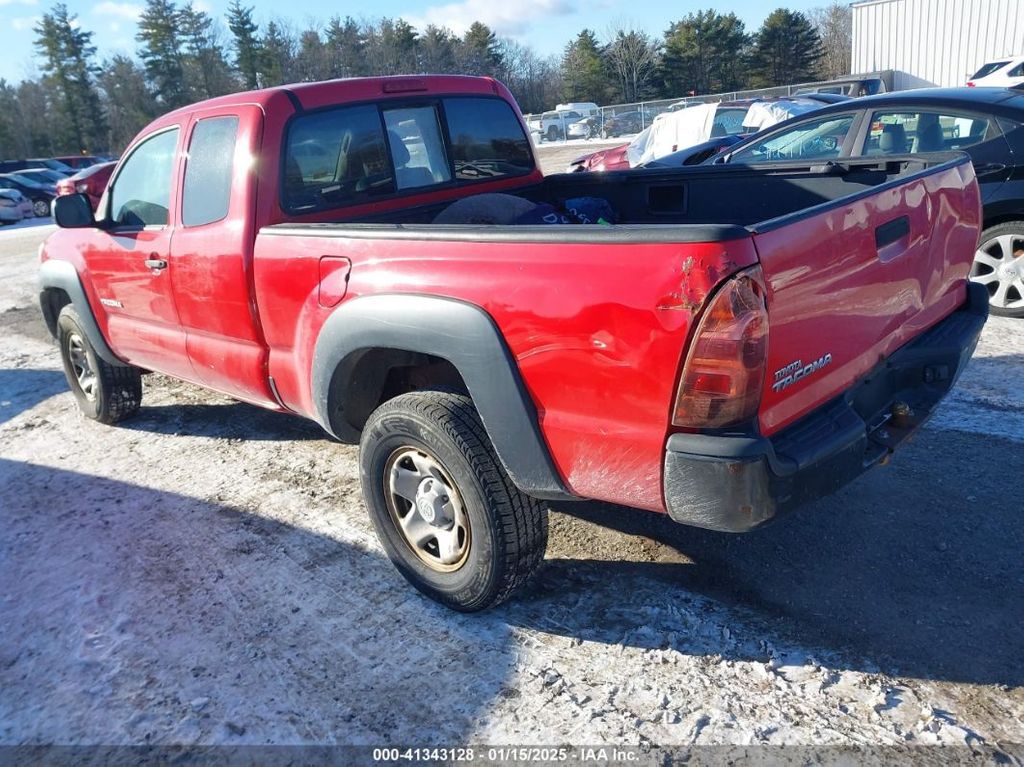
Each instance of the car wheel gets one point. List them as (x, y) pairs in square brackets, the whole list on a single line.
[(447, 514), (605, 133), (552, 134), (41, 208), (105, 393), (999, 266)]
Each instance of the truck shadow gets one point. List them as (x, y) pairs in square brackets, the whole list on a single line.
[(23, 388), (914, 568), (136, 615), (236, 420)]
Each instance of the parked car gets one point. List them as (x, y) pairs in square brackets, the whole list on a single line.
[(987, 123), (553, 125), (588, 127), (50, 163), (43, 176), (79, 161), (727, 121), (40, 196), (90, 181), (622, 124), (10, 208), (722, 373), (1001, 73), (24, 203)]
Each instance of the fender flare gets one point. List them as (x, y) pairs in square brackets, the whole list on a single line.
[(63, 276), (464, 335)]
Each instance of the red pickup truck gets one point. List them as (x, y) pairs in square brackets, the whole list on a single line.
[(739, 341)]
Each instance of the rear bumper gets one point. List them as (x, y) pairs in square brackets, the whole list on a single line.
[(737, 483)]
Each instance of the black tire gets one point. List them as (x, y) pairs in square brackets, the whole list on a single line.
[(605, 133), (41, 208), (993, 243), (552, 134), (112, 392), (507, 530)]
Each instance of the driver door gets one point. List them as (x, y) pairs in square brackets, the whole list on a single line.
[(129, 257)]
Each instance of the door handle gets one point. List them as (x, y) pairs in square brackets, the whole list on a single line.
[(992, 167), (156, 263)]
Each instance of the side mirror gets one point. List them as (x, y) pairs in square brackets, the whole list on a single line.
[(73, 211)]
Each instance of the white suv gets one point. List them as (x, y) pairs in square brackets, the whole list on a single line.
[(1004, 72)]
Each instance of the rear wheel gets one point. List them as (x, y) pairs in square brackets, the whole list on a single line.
[(999, 266), (447, 514), (106, 393), (552, 133), (41, 208)]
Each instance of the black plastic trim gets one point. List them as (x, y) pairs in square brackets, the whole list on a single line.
[(62, 275), (464, 335), (556, 233), (737, 483)]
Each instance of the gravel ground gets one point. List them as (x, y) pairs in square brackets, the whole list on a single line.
[(206, 573)]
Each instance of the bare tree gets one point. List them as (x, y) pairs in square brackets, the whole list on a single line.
[(633, 56), (834, 24)]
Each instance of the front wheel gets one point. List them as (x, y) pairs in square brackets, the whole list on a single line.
[(105, 393), (999, 266), (41, 208), (447, 514)]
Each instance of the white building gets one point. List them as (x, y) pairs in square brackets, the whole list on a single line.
[(934, 42)]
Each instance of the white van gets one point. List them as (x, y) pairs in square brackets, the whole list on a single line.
[(585, 108)]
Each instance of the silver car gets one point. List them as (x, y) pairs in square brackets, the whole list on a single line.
[(11, 209)]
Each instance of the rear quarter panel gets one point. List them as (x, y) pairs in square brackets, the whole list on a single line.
[(597, 331)]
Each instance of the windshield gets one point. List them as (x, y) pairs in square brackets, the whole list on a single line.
[(988, 69), (816, 139)]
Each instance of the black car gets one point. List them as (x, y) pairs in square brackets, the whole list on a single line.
[(41, 196), (986, 123)]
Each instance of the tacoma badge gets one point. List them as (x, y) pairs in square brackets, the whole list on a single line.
[(797, 370)]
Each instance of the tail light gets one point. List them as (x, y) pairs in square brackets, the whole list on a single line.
[(724, 371), (970, 83)]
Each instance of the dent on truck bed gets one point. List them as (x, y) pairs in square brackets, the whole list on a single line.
[(455, 331)]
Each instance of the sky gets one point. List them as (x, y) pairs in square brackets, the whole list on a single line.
[(546, 25)]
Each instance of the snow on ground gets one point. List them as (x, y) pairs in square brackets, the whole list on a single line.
[(206, 573)]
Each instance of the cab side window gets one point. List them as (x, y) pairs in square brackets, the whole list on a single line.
[(916, 132), (818, 139), (141, 193), (208, 176)]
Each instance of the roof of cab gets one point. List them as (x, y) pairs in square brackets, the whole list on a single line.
[(354, 89)]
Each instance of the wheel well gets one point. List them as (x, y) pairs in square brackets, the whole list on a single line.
[(370, 377), (1002, 218), (51, 302)]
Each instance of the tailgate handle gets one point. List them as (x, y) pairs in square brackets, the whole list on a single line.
[(892, 231)]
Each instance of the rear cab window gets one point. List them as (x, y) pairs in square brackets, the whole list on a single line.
[(355, 154)]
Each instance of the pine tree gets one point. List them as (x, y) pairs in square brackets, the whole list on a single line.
[(703, 53), (585, 75), (247, 43), (129, 104), (161, 43), (479, 53), (312, 62), (437, 50), (69, 72), (786, 49), (277, 56), (206, 70), (346, 46)]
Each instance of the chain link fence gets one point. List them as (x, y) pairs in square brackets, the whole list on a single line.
[(619, 120)]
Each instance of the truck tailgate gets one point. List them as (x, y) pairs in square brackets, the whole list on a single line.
[(851, 281)]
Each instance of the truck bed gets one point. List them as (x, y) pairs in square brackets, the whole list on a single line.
[(857, 259)]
